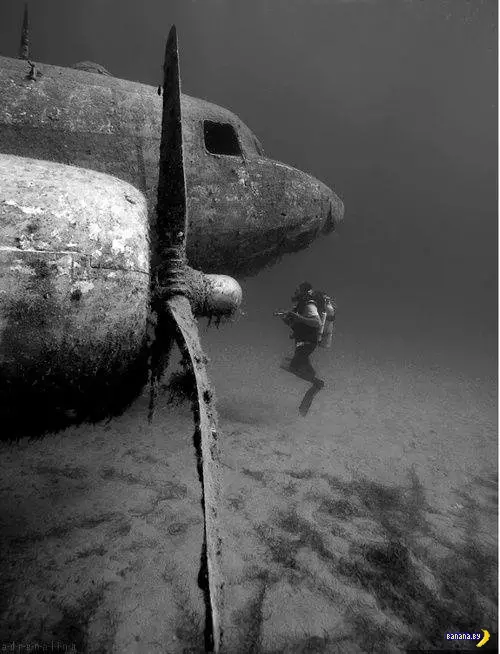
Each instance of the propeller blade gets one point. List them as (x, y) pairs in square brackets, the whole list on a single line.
[(171, 225), (172, 319), (168, 232), (207, 454)]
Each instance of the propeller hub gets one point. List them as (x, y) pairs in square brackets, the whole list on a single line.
[(223, 295), (212, 296)]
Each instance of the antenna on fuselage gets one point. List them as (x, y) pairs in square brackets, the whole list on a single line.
[(24, 47)]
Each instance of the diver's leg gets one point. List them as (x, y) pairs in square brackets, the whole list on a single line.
[(299, 362), (298, 357), (309, 368), (301, 365)]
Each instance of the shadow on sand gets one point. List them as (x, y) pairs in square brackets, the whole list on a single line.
[(428, 572)]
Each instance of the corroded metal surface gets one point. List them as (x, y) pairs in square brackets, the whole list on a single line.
[(244, 211), (73, 290), (208, 459), (50, 207), (169, 225), (171, 228)]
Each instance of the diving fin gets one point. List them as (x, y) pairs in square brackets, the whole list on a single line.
[(308, 398)]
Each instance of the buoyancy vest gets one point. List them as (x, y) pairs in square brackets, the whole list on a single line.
[(302, 332)]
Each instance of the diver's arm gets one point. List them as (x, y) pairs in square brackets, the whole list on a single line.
[(311, 317), (310, 322)]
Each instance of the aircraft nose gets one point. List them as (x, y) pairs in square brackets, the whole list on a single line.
[(310, 209), (316, 209)]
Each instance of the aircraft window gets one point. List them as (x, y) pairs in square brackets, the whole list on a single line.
[(221, 138)]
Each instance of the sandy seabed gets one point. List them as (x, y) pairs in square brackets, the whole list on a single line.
[(369, 526)]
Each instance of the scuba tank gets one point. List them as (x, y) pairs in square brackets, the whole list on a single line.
[(322, 315), (328, 322)]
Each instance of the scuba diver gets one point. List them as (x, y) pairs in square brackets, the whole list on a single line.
[(306, 325), (311, 321)]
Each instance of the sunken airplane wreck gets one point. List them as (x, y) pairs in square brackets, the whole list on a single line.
[(95, 241), (79, 168)]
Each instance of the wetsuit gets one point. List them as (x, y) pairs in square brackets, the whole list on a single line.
[(306, 334)]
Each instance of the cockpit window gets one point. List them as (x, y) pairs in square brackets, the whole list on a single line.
[(221, 138)]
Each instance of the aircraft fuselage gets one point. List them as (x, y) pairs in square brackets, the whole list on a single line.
[(245, 210)]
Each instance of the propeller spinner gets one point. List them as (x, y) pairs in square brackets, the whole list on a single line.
[(178, 293)]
